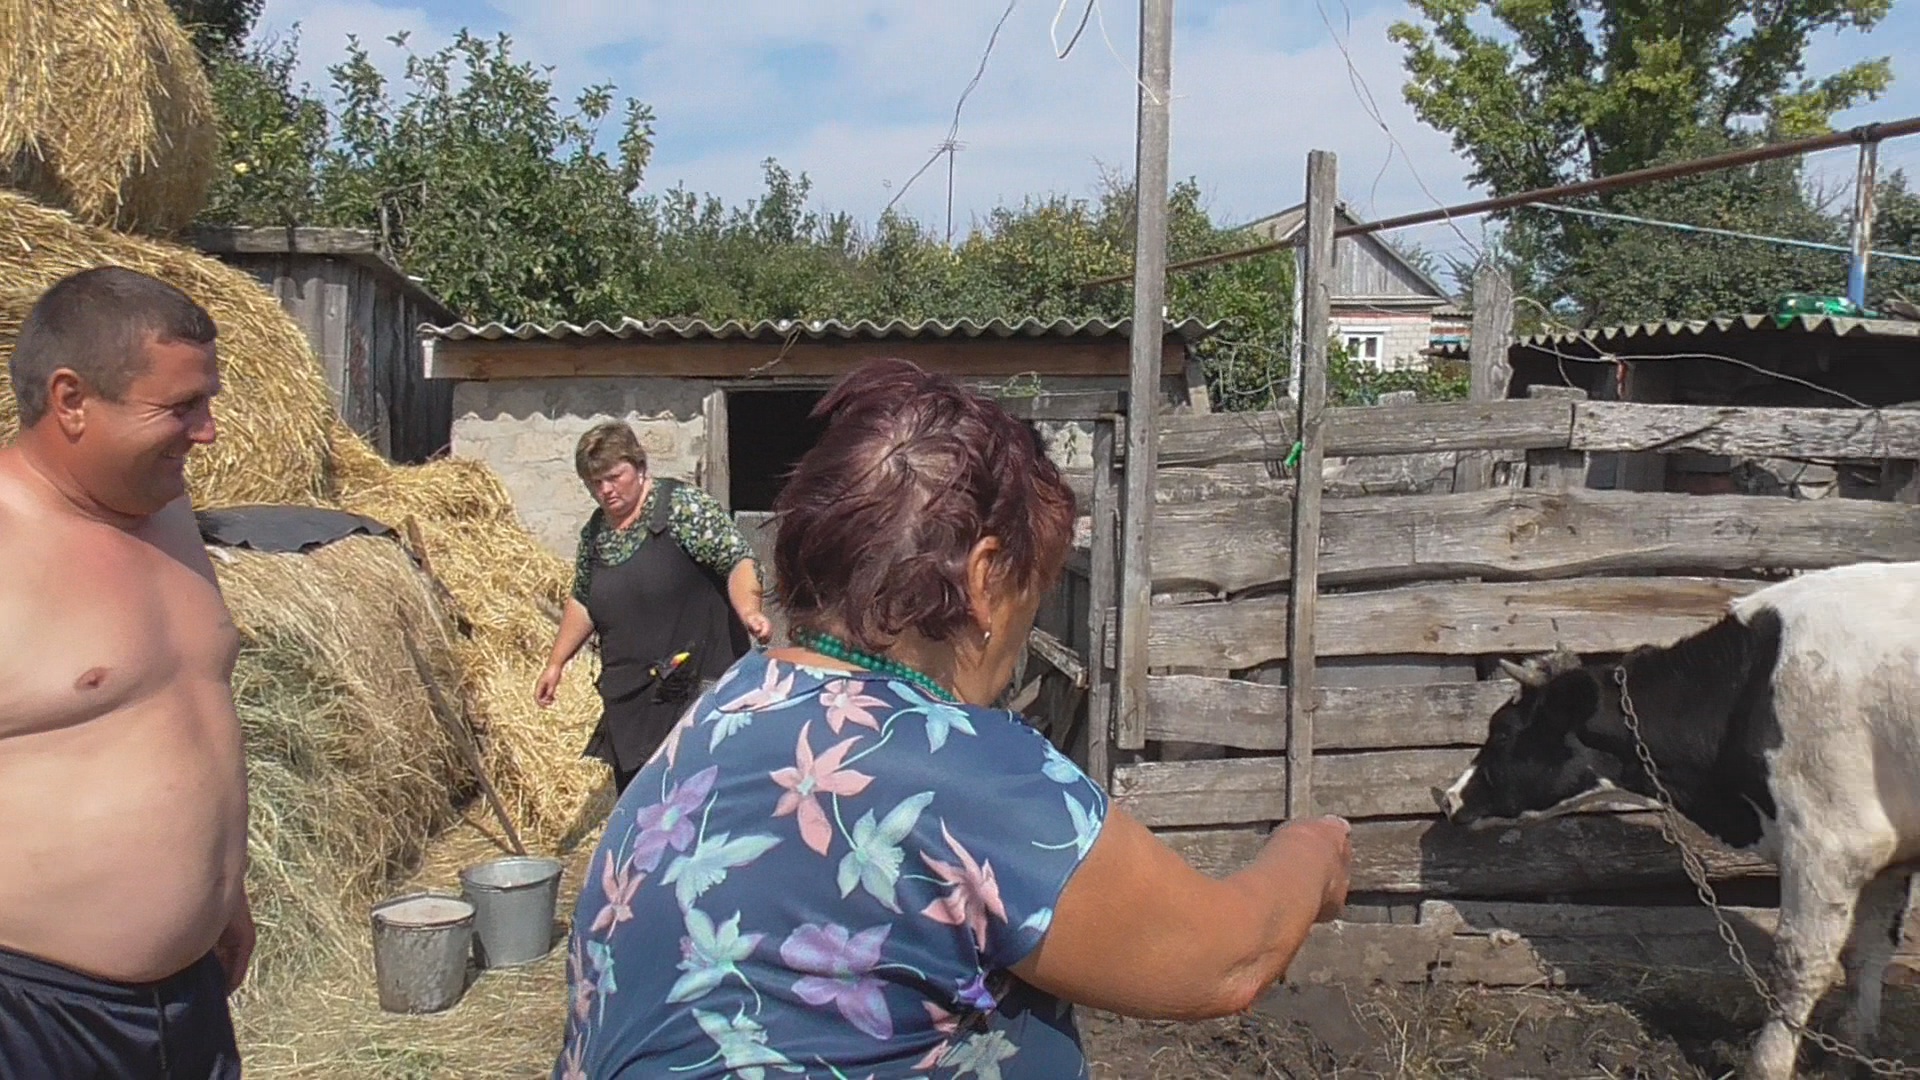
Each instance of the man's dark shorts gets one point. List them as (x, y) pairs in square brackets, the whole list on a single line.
[(58, 1024)]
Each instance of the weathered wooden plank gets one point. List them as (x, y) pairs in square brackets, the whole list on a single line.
[(1559, 856), (1229, 545), (1489, 372), (1219, 438), (1619, 427), (1247, 715), (1055, 652), (1063, 406), (1556, 470), (1585, 615), (1302, 600), (1384, 783), (1103, 589)]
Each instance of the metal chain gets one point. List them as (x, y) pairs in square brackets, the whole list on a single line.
[(1697, 872)]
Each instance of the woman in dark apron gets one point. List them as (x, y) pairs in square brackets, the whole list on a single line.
[(671, 587)]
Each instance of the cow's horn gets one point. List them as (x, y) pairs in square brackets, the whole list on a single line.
[(1524, 674)]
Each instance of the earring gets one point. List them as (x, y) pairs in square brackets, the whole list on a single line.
[(988, 640)]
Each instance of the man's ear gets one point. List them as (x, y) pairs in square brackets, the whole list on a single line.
[(67, 395)]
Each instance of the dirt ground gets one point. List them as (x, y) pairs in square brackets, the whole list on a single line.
[(509, 1023)]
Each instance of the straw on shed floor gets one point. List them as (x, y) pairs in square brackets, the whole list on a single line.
[(108, 111), (349, 770)]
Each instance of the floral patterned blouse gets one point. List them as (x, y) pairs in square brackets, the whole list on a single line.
[(695, 520), (829, 875)]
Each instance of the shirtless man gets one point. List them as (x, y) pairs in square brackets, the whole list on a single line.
[(124, 921)]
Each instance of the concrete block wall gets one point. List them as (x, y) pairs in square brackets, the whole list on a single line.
[(526, 431)]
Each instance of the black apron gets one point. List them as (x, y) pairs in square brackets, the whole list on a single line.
[(657, 603)]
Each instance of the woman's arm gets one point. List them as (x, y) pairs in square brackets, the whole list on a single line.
[(1139, 932), (576, 626), (707, 533)]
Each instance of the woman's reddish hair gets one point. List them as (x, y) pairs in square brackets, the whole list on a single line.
[(877, 520)]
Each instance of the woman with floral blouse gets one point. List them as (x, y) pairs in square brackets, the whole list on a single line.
[(843, 863), (661, 571)]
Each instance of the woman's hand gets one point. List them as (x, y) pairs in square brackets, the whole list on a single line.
[(759, 626), (1326, 843), (545, 690)]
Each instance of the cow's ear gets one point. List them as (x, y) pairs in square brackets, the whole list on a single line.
[(1572, 698)]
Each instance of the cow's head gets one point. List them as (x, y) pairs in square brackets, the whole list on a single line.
[(1534, 763)]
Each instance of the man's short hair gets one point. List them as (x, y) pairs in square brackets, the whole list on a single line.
[(97, 324)]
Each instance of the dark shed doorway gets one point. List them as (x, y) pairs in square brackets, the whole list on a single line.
[(767, 432)]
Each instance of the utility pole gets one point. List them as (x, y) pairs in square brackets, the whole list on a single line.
[(1862, 223), (1151, 138)]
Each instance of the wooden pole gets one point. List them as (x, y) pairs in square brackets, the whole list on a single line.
[(1489, 371), (1102, 593), (1304, 592), (1149, 300), (1862, 223)]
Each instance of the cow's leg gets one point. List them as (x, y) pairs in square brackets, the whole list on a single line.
[(1876, 934), (1818, 893)]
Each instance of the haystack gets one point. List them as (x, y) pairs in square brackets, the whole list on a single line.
[(108, 111), (273, 413), (350, 770)]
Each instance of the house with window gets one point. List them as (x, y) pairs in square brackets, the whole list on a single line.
[(1385, 311)]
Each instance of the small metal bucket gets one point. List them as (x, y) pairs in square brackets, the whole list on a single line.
[(421, 943), (514, 900)]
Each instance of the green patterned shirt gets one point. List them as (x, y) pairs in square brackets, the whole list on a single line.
[(696, 520)]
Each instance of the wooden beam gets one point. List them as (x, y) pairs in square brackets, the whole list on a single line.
[(1055, 652), (1249, 715), (1221, 438), (1103, 588), (1385, 783), (997, 358), (1585, 615), (1226, 546), (1614, 427), (1085, 406), (1488, 369), (1558, 856), (1556, 470), (1323, 192)]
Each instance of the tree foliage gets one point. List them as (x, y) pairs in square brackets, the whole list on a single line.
[(1556, 91)]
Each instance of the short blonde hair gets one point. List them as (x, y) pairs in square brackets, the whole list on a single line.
[(606, 445)]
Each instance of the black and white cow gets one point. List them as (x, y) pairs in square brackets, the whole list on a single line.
[(1790, 728)]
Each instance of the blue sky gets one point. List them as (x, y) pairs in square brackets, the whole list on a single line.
[(857, 93)]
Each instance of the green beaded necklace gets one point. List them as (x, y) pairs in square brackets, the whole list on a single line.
[(829, 646)]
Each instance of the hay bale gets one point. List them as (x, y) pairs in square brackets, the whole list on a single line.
[(274, 412), (349, 771), (108, 111)]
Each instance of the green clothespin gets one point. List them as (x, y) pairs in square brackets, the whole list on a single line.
[(1293, 456)]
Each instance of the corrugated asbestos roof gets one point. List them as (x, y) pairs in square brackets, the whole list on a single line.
[(775, 330), (1832, 325), (1683, 329)]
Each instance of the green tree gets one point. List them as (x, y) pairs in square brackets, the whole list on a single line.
[(217, 26), (1564, 90)]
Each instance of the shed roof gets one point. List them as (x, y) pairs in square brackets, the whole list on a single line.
[(1285, 224), (1682, 331), (354, 245), (776, 330)]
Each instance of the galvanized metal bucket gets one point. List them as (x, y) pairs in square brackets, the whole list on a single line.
[(421, 943), (514, 900)]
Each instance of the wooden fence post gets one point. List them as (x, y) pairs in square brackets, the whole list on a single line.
[(1556, 470), (1304, 590), (1103, 594), (1489, 370)]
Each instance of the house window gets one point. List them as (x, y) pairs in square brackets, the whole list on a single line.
[(1364, 345)]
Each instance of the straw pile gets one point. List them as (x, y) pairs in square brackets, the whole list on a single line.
[(273, 412), (349, 770), (108, 111)]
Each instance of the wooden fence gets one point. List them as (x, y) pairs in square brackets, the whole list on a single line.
[(1413, 599)]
